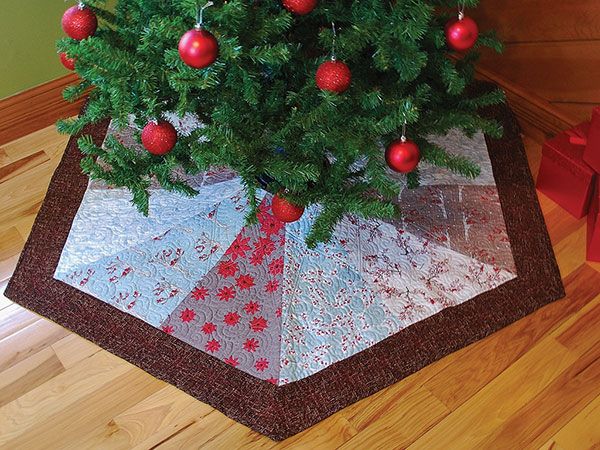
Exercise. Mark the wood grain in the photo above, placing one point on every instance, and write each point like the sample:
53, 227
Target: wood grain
13, 318
30, 373
533, 384
551, 409
552, 51
36, 108
539, 20
539, 66
538, 117
580, 432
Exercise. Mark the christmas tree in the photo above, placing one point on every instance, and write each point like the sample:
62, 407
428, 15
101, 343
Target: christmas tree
300, 98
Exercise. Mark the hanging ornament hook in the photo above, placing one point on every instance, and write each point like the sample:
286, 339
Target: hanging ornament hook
403, 137
333, 57
461, 10
80, 4
200, 14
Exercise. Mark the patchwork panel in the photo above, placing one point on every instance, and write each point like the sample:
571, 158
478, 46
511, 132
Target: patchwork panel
467, 219
329, 311
234, 312
151, 278
256, 297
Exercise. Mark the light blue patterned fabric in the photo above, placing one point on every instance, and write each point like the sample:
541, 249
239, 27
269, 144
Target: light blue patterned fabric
151, 278
107, 222
329, 313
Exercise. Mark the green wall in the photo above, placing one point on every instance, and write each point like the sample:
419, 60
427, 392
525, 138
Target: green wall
28, 31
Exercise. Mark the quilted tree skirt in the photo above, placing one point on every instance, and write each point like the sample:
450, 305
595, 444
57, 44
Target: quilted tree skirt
274, 334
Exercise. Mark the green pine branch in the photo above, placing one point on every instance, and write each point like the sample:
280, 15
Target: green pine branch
261, 109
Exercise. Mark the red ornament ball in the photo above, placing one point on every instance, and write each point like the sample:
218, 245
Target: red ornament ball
286, 211
159, 138
69, 63
198, 48
461, 34
333, 76
79, 22
402, 156
300, 7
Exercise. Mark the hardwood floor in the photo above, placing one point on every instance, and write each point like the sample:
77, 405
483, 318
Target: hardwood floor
534, 384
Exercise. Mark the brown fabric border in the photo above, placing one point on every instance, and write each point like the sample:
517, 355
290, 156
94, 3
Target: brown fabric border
280, 412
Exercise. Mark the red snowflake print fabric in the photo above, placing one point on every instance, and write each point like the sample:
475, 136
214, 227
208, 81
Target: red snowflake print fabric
228, 268
187, 315
234, 312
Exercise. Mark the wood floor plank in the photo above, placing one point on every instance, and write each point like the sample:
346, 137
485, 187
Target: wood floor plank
583, 331
551, 445
59, 393
216, 431
13, 319
26, 220
546, 204
26, 415
570, 251
461, 379
582, 431
470, 423
72, 349
366, 412
29, 374
58, 145
151, 421
4, 159
16, 151
88, 411
22, 224
408, 417
552, 408
21, 166
7, 267
46, 139
28, 341
594, 265
563, 398
11, 243
4, 302
533, 158
330, 433
561, 224
18, 194
22, 221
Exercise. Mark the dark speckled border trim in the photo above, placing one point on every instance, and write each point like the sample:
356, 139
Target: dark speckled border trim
280, 412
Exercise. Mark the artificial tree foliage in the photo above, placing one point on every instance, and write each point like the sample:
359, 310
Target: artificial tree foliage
264, 115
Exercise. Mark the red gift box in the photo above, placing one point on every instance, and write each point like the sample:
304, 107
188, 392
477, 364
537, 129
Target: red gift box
591, 155
563, 175
593, 226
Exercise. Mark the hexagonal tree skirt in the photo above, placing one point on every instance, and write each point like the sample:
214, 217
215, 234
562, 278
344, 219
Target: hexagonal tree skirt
276, 335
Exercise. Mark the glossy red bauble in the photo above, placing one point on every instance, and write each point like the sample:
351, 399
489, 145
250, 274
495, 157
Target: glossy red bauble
79, 22
461, 34
198, 48
300, 7
286, 211
159, 138
333, 76
69, 63
402, 156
